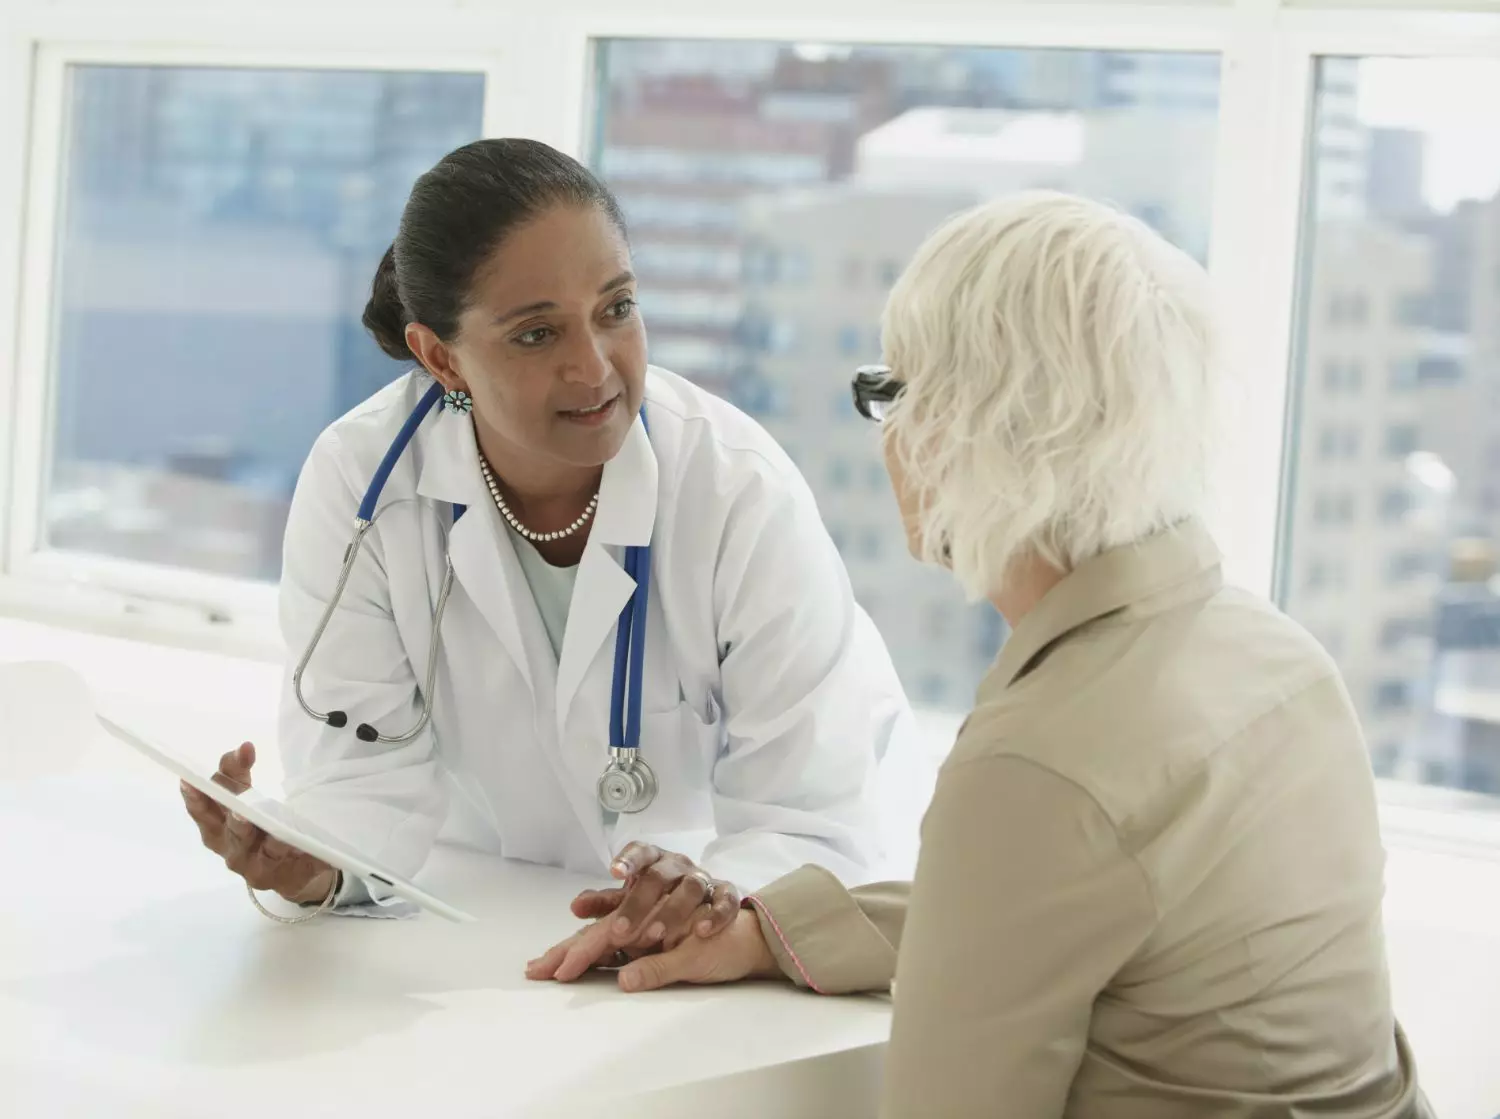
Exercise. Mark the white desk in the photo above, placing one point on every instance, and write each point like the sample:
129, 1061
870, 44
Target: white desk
160, 992
137, 995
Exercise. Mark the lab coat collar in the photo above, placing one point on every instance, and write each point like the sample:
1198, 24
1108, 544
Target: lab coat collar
627, 493
1143, 578
450, 460
625, 518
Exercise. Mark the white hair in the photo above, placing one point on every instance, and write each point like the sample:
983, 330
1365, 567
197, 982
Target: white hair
1059, 359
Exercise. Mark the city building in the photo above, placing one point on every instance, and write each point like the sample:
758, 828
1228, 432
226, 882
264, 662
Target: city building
1366, 520
1340, 142
1123, 155
827, 257
221, 227
774, 199
684, 148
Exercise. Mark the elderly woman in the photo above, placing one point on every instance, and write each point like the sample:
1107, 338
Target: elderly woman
1150, 877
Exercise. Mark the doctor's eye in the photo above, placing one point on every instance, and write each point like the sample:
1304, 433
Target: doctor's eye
622, 308
536, 336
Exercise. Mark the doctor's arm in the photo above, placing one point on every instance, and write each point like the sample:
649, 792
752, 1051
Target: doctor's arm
808, 693
385, 799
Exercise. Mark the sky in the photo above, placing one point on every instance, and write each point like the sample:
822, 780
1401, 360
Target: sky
1454, 102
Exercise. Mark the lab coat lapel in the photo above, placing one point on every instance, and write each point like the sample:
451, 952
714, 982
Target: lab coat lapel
484, 560
625, 517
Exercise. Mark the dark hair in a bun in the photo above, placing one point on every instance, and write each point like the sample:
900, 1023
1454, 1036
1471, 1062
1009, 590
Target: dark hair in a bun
457, 216
385, 317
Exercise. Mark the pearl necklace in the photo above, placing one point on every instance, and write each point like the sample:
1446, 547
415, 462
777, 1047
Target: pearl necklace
510, 518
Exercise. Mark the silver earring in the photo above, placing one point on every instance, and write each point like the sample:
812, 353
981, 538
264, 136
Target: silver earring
458, 402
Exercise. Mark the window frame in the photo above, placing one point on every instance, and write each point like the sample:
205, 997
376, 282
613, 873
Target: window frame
168, 603
1268, 51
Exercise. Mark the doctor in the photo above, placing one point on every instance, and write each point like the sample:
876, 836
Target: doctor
544, 457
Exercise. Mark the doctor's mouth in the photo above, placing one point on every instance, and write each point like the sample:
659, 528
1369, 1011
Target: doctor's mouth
596, 416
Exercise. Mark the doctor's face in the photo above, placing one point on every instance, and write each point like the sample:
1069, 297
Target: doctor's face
551, 346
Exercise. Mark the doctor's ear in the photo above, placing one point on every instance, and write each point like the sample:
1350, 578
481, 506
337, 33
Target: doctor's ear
434, 355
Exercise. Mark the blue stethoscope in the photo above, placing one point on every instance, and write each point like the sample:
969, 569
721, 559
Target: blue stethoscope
627, 783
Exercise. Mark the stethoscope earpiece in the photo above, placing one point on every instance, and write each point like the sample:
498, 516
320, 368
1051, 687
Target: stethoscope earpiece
366, 733
337, 719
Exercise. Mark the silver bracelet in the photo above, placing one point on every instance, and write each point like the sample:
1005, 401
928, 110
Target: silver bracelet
327, 904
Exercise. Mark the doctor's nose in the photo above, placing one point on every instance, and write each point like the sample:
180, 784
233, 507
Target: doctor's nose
589, 364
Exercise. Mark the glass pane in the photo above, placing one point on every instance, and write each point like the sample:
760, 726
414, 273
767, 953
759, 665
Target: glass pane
776, 191
1394, 506
219, 232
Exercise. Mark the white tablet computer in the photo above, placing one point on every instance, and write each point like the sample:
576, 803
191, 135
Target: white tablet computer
275, 818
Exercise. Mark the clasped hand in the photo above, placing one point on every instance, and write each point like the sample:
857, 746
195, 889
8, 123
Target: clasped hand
661, 926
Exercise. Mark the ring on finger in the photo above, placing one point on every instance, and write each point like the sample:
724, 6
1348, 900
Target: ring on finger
706, 882
619, 959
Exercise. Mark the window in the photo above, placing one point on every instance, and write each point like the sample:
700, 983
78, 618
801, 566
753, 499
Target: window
794, 267
703, 310
1401, 440
1407, 565
240, 213
1342, 375
848, 156
1348, 308
1333, 508
1392, 695
1400, 278
1317, 576
1339, 442
1439, 370
1411, 309
667, 263
1396, 632
1395, 504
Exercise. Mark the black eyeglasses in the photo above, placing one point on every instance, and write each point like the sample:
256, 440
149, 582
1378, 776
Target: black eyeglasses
875, 389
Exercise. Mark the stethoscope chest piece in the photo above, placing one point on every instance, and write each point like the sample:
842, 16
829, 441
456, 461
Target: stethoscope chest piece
628, 785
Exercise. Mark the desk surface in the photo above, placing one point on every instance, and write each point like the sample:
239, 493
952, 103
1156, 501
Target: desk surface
153, 988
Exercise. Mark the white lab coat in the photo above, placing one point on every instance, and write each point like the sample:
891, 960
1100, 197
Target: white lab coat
768, 697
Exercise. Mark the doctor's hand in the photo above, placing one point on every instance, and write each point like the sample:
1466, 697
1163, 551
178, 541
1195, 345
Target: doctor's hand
665, 898
740, 952
261, 860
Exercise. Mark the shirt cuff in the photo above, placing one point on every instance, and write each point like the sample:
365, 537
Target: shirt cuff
819, 935
355, 891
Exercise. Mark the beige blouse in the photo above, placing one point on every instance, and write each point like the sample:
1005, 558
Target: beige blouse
1150, 879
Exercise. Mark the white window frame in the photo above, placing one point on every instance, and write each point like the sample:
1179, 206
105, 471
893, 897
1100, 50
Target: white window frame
128, 597
538, 66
